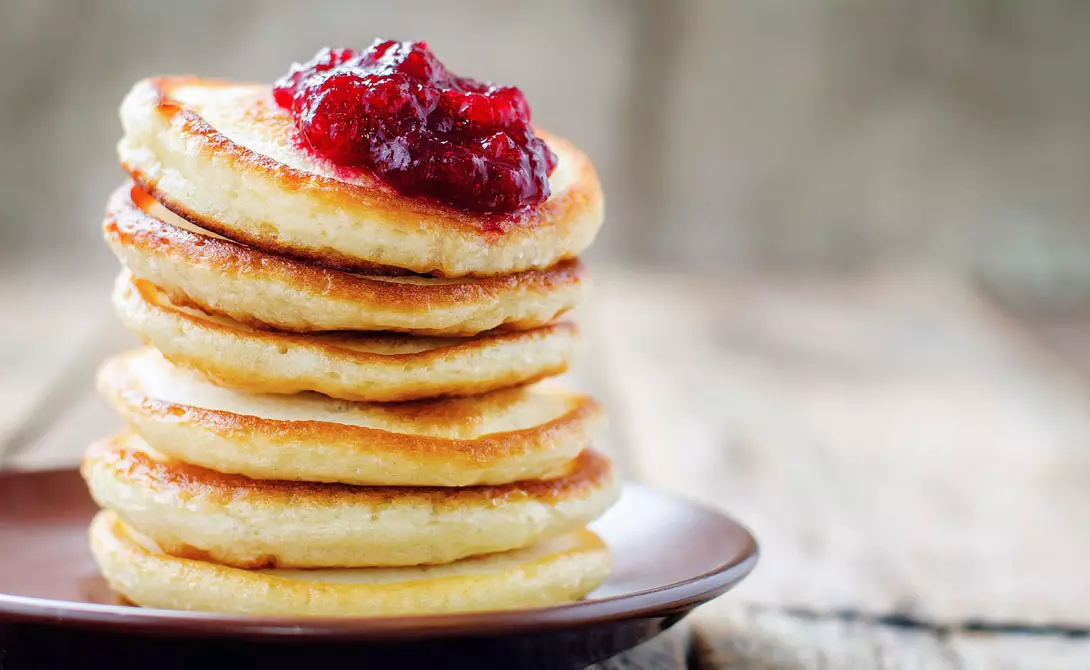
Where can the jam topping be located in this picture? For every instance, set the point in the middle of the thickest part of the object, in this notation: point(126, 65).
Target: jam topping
point(397, 111)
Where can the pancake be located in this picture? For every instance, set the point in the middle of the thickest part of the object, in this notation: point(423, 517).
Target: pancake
point(224, 156)
point(194, 512)
point(352, 366)
point(525, 432)
point(554, 572)
point(261, 289)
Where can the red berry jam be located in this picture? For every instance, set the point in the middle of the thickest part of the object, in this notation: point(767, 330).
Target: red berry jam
point(397, 111)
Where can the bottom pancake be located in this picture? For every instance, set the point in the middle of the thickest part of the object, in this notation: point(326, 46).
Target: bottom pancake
point(557, 571)
point(194, 512)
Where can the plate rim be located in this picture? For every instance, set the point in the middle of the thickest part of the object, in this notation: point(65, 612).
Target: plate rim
point(674, 598)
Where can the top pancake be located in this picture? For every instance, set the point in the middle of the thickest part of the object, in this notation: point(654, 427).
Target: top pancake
point(225, 156)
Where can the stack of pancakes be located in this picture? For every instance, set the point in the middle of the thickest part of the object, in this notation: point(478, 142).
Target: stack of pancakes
point(340, 412)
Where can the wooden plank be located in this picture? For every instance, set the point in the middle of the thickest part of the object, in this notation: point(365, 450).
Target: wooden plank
point(895, 450)
point(753, 638)
point(591, 375)
point(1064, 336)
point(47, 325)
point(63, 444)
point(749, 638)
point(668, 651)
point(56, 332)
point(1019, 651)
point(85, 416)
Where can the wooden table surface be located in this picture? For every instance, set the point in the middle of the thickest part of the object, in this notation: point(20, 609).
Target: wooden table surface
point(914, 461)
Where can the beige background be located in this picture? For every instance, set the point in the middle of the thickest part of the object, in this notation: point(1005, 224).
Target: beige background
point(768, 134)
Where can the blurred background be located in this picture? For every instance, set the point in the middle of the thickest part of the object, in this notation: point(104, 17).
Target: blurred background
point(732, 136)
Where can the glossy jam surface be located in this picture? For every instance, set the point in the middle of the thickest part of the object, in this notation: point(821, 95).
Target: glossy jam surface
point(397, 111)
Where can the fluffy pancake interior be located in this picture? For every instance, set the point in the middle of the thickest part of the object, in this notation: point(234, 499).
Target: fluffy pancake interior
point(477, 565)
point(387, 344)
point(196, 512)
point(132, 462)
point(460, 418)
point(154, 208)
point(260, 287)
point(552, 572)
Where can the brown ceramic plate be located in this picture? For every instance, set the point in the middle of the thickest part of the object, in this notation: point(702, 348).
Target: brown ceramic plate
point(56, 611)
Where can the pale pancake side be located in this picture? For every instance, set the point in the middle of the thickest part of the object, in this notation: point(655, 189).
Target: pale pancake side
point(373, 367)
point(224, 156)
point(262, 289)
point(526, 432)
point(557, 571)
point(194, 512)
